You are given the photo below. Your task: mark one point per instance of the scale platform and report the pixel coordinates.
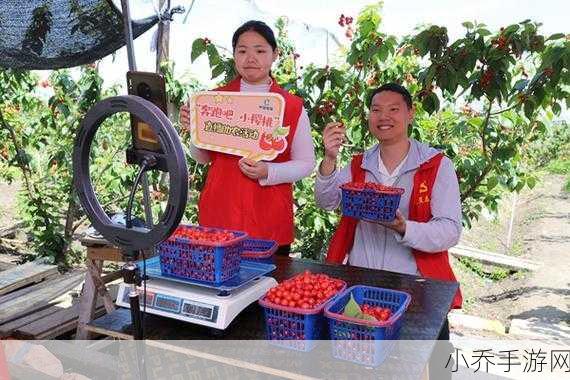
(198, 302)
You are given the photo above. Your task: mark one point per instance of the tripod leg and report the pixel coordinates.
(135, 313)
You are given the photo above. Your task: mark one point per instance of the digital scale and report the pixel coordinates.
(199, 302)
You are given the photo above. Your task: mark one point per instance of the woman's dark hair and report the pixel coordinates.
(394, 87)
(259, 27)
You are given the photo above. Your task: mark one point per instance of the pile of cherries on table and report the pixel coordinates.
(305, 291)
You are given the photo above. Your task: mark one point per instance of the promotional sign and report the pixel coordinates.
(244, 124)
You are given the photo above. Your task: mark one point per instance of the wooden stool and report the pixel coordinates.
(98, 251)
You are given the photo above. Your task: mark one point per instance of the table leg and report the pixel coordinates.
(88, 298)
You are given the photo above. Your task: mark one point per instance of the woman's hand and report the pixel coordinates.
(185, 117)
(253, 169)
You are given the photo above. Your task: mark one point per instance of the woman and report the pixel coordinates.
(242, 194)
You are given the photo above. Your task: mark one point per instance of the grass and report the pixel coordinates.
(561, 166)
(485, 271)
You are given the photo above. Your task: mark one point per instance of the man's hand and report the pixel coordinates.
(398, 224)
(185, 117)
(253, 169)
(333, 138)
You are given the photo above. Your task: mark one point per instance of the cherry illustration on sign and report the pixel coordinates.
(244, 124)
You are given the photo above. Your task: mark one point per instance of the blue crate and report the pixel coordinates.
(259, 250)
(292, 330)
(362, 341)
(293, 327)
(370, 205)
(213, 263)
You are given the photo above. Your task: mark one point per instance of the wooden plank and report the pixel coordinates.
(104, 253)
(110, 253)
(60, 322)
(28, 289)
(24, 274)
(116, 324)
(9, 232)
(89, 240)
(5, 265)
(112, 276)
(54, 332)
(40, 299)
(8, 261)
(494, 258)
(101, 289)
(88, 297)
(7, 329)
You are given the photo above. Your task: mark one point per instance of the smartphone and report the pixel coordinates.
(149, 86)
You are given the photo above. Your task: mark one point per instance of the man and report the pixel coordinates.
(428, 221)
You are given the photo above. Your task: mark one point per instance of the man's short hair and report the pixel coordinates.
(393, 87)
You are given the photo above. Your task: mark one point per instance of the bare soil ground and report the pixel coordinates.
(541, 233)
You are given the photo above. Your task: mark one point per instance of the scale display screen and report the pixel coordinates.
(167, 303)
(149, 298)
(199, 310)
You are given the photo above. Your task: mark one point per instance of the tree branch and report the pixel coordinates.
(26, 172)
(484, 128)
(506, 109)
(477, 182)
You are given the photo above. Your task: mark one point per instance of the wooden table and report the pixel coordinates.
(431, 301)
(98, 251)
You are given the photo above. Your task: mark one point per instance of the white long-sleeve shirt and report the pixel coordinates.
(302, 160)
(378, 247)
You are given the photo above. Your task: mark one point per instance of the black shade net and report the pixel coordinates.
(54, 34)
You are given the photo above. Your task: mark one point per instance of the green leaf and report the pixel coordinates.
(556, 36)
(352, 309)
(531, 182)
(468, 25)
(528, 108)
(218, 70)
(556, 109)
(492, 183)
(431, 103)
(511, 29)
(213, 55)
(198, 47)
(483, 32)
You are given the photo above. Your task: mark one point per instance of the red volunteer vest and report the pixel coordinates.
(233, 201)
(430, 265)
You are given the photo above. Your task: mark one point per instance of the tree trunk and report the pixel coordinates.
(163, 38)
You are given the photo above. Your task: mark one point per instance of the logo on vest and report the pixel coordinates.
(423, 189)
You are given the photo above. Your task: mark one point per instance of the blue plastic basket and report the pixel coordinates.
(208, 262)
(259, 250)
(362, 341)
(295, 328)
(370, 205)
